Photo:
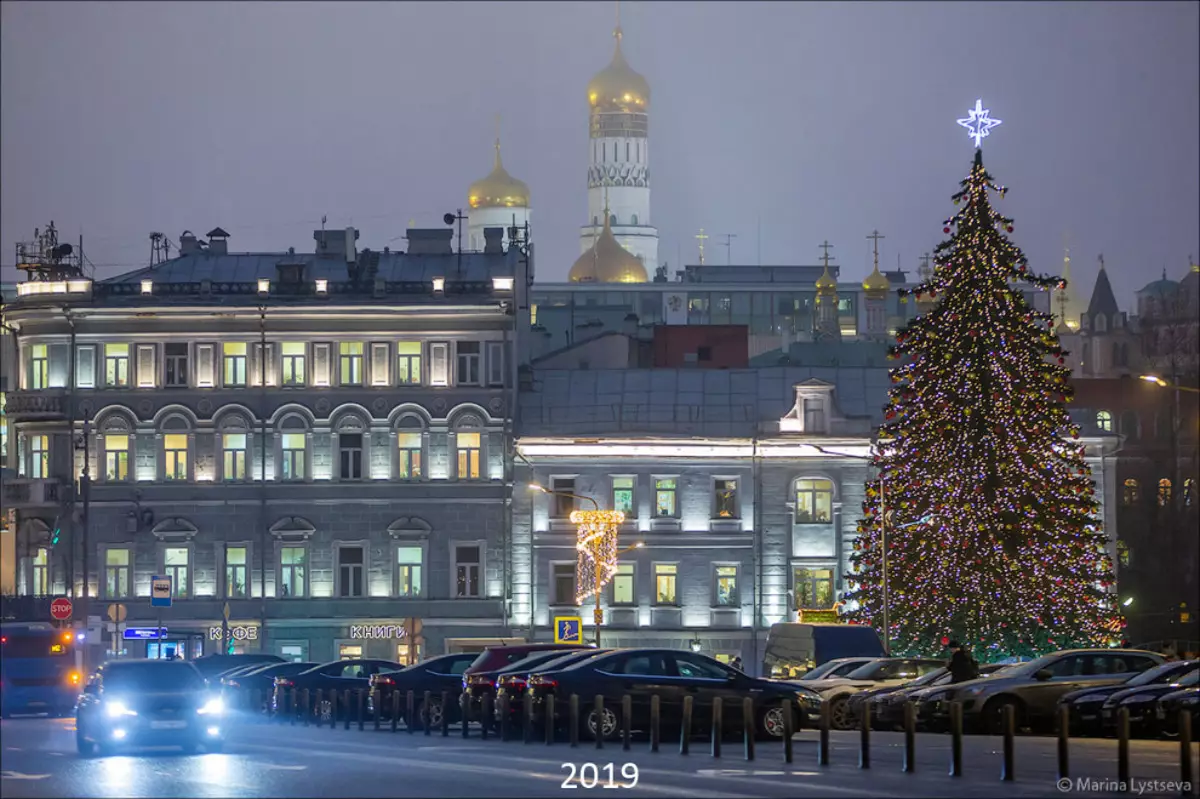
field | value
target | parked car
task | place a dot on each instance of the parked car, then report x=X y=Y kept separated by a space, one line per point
x=795 y=648
x=877 y=673
x=150 y=703
x=337 y=675
x=435 y=675
x=1141 y=703
x=838 y=667
x=211 y=666
x=513 y=681
x=1033 y=689
x=887 y=702
x=238 y=689
x=671 y=675
x=1168 y=708
x=497 y=657
x=1084 y=705
x=479 y=684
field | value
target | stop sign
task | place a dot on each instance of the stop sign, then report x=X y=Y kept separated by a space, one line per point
x=60 y=609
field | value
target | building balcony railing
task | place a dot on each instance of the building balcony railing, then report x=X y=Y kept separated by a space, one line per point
x=30 y=492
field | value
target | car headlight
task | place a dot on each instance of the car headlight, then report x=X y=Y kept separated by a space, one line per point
x=937 y=696
x=808 y=700
x=975 y=690
x=213 y=707
x=114 y=710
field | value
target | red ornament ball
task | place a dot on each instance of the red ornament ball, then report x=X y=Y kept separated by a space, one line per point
x=1009 y=228
x=945 y=230
x=945 y=640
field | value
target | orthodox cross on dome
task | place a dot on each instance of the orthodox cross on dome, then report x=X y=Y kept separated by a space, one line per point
x=876 y=236
x=700 y=237
x=979 y=124
x=617 y=30
x=497 y=138
x=1100 y=258
x=826 y=246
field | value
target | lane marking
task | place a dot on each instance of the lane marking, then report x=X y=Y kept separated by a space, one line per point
x=16 y=775
x=279 y=767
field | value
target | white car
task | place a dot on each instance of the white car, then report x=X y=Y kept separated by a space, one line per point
x=836 y=691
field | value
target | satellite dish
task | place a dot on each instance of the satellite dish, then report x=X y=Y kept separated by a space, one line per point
x=449 y=219
x=62 y=251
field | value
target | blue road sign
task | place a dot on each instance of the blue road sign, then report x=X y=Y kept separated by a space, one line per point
x=144 y=633
x=568 y=630
x=160 y=591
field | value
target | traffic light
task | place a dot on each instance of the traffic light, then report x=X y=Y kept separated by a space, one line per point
x=55 y=535
x=229 y=646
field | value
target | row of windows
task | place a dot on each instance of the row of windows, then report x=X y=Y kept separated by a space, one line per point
x=291 y=364
x=1130 y=424
x=1131 y=492
x=813 y=498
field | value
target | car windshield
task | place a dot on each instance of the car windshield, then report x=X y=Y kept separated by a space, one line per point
x=152 y=676
x=1190 y=679
x=874 y=670
x=536 y=659
x=930 y=678
x=563 y=661
x=834 y=668
x=1161 y=673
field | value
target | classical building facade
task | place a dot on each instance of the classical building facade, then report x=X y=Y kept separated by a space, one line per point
x=311 y=446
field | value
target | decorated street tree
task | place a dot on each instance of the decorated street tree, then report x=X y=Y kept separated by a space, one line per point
x=984 y=498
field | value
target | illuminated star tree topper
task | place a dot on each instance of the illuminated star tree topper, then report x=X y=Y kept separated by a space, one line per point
x=979 y=125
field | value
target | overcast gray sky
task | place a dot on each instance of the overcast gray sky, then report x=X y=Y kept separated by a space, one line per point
x=809 y=120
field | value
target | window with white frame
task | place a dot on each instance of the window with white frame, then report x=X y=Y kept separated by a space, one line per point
x=468 y=566
x=39 y=456
x=813 y=587
x=117 y=571
x=175 y=456
x=237 y=567
x=351 y=566
x=665 y=505
x=39 y=366
x=233 y=363
x=85 y=366
x=292 y=572
x=233 y=456
x=116 y=365
x=664 y=583
x=725 y=586
x=147 y=373
x=468 y=363
x=380 y=359
x=408 y=363
x=814 y=501
x=814 y=415
x=350 y=363
x=562 y=584
x=439 y=363
x=408 y=571
x=292 y=353
x=350 y=456
x=725 y=498
x=469 y=449
x=495 y=363
x=175 y=365
x=562 y=497
x=408 y=454
x=623 y=584
x=294 y=456
x=36 y=573
x=1104 y=421
x=622 y=495
x=177 y=566
x=116 y=457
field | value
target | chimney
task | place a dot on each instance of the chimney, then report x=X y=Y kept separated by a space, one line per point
x=429 y=241
x=493 y=238
x=188 y=244
x=218 y=241
x=351 y=245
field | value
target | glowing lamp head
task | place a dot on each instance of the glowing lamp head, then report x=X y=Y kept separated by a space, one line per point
x=1155 y=379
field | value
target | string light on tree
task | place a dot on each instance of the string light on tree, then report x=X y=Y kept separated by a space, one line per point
x=993 y=533
x=978 y=124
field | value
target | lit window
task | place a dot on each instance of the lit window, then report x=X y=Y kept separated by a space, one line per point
x=39 y=456
x=622 y=488
x=469 y=452
x=175 y=564
x=116 y=573
x=293 y=362
x=322 y=285
x=116 y=365
x=235 y=572
x=814 y=502
x=664 y=497
x=350 y=363
x=39 y=366
x=439 y=284
x=408 y=364
x=264 y=285
x=727 y=586
x=467 y=563
x=234 y=353
x=147 y=286
x=814 y=588
x=622 y=585
x=408 y=571
x=503 y=283
x=1189 y=491
x=292 y=561
x=116 y=458
x=409 y=455
x=1164 y=492
x=233 y=456
x=294 y=451
x=725 y=499
x=1104 y=421
x=1132 y=492
x=175 y=456
x=664 y=583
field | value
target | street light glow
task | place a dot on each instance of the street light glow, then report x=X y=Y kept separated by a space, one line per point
x=1155 y=379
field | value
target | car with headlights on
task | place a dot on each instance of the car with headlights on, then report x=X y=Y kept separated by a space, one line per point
x=1033 y=689
x=642 y=674
x=878 y=673
x=131 y=703
x=1168 y=708
x=1141 y=703
x=1084 y=706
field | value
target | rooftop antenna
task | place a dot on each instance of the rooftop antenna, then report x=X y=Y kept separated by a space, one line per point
x=700 y=237
x=728 y=245
x=925 y=270
x=45 y=258
x=323 y=219
x=450 y=219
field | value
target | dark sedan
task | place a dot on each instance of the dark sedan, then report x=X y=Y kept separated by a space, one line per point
x=254 y=688
x=1084 y=706
x=1141 y=702
x=477 y=685
x=1168 y=708
x=211 y=666
x=337 y=676
x=512 y=683
x=887 y=703
x=671 y=675
x=435 y=675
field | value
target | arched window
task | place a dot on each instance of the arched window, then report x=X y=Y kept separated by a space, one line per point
x=293 y=448
x=634 y=220
x=1101 y=323
x=468 y=447
x=1132 y=492
x=612 y=220
x=1104 y=421
x=814 y=501
x=1164 y=492
x=410 y=448
x=1189 y=492
x=175 y=443
x=1129 y=425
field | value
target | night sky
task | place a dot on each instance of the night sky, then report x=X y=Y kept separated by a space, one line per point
x=804 y=121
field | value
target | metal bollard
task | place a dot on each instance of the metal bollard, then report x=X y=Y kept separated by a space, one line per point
x=427 y=698
x=598 y=709
x=823 y=736
x=346 y=708
x=748 y=725
x=1009 y=720
x=333 y=708
x=1123 y=746
x=375 y=703
x=788 y=732
x=626 y=721
x=548 y=712
x=256 y=703
x=410 y=711
x=464 y=707
x=292 y=705
x=395 y=709
x=573 y=721
x=864 y=742
x=655 y=722
x=1064 y=732
x=305 y=706
x=526 y=718
x=718 y=725
x=445 y=714
x=320 y=703
x=956 y=732
x=1186 y=774
x=505 y=701
x=488 y=716
x=361 y=702
x=685 y=727
x=910 y=738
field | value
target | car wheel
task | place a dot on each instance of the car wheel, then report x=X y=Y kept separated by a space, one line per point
x=433 y=713
x=841 y=717
x=609 y=724
x=86 y=748
x=325 y=711
x=993 y=715
x=771 y=722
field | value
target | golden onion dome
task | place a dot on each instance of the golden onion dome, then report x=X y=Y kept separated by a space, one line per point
x=876 y=283
x=608 y=262
x=617 y=87
x=825 y=283
x=499 y=189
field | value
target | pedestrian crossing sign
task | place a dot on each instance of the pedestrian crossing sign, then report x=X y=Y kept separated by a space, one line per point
x=568 y=630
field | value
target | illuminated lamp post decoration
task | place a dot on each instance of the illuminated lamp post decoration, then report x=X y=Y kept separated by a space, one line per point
x=981 y=443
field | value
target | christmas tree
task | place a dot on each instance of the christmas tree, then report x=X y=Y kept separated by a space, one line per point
x=991 y=527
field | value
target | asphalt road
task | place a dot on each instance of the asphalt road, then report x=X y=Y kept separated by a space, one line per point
x=38 y=759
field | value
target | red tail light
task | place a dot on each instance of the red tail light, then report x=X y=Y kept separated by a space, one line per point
x=377 y=680
x=539 y=680
x=480 y=679
x=281 y=682
x=517 y=683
